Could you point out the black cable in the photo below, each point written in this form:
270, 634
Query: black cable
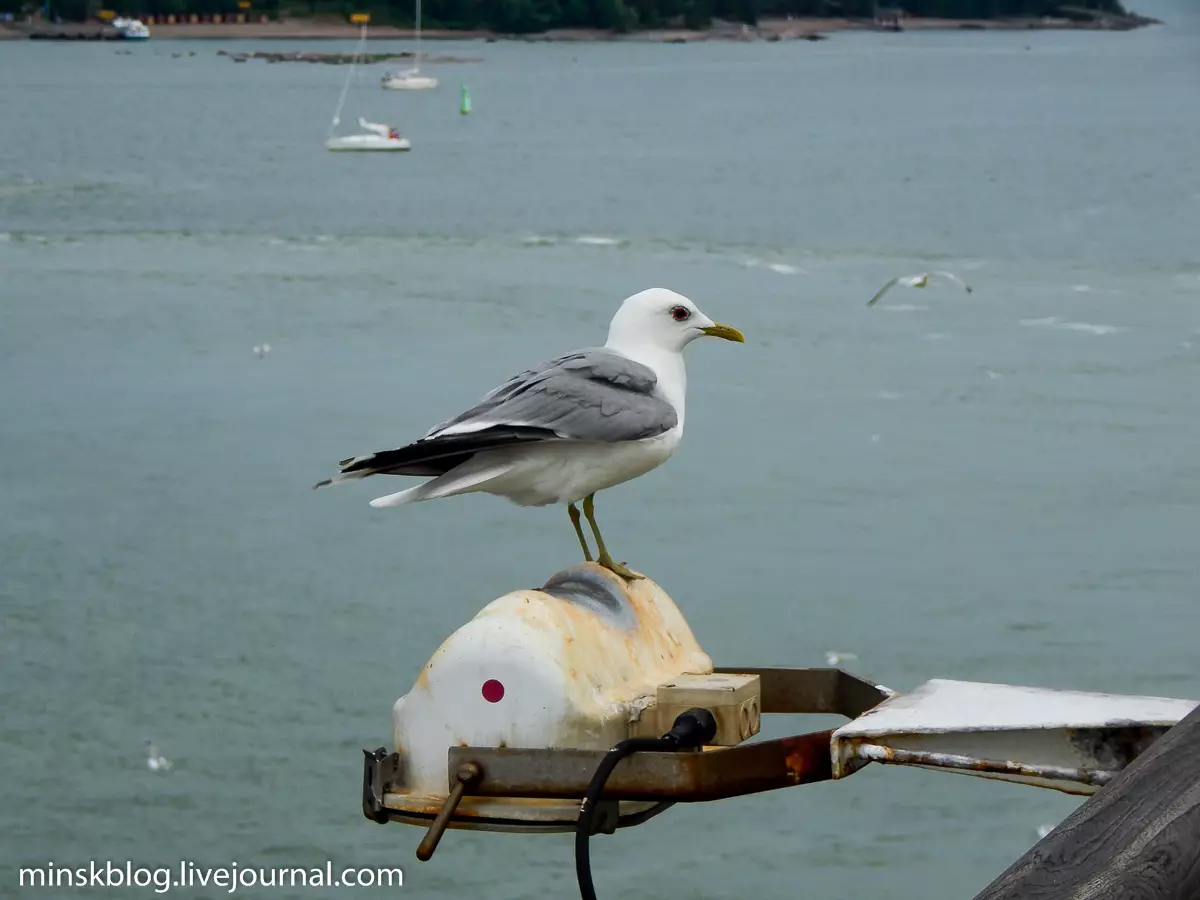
691, 729
587, 809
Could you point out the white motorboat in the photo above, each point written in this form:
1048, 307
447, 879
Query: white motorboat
131, 29
411, 79
374, 137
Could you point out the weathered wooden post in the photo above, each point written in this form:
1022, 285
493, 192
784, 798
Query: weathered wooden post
1139, 837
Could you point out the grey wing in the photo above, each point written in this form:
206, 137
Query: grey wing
955, 279
883, 290
590, 395
491, 400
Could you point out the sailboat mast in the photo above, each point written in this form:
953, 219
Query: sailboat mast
417, 59
359, 48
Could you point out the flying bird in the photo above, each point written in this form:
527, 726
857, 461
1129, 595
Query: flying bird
563, 430
918, 281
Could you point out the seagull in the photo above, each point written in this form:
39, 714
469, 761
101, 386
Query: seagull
918, 281
833, 657
155, 761
261, 350
570, 427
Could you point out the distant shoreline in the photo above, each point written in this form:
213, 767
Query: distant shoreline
773, 29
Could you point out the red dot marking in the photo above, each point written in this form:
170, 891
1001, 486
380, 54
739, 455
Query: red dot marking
493, 691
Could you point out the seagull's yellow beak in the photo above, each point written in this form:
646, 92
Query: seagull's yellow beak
728, 332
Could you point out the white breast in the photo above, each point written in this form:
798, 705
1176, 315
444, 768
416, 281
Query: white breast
568, 472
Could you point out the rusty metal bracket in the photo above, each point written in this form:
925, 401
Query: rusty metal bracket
895, 756
664, 778
380, 769
464, 777
814, 691
690, 777
678, 777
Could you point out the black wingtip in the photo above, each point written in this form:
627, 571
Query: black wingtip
321, 484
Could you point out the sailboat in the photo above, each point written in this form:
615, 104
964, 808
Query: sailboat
374, 136
411, 79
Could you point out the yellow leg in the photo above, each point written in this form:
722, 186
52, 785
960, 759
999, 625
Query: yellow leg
603, 557
573, 512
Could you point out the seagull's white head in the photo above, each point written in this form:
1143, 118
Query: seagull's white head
664, 320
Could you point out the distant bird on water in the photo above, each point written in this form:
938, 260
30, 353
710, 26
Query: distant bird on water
155, 761
918, 281
570, 427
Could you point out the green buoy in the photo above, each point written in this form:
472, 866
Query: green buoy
465, 105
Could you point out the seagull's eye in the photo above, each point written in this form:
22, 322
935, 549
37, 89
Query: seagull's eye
680, 313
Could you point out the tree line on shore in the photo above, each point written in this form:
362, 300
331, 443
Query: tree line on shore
520, 16
531, 16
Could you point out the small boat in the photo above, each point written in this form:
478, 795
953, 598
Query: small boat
408, 80
131, 29
411, 79
374, 137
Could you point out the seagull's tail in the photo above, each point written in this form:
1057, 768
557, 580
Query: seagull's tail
400, 498
456, 481
356, 467
438, 455
345, 476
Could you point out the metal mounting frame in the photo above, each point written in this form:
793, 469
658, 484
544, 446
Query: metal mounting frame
668, 778
715, 774
1066, 740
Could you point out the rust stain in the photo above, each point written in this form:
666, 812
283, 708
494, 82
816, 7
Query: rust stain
796, 761
806, 757
887, 751
424, 809
470, 807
